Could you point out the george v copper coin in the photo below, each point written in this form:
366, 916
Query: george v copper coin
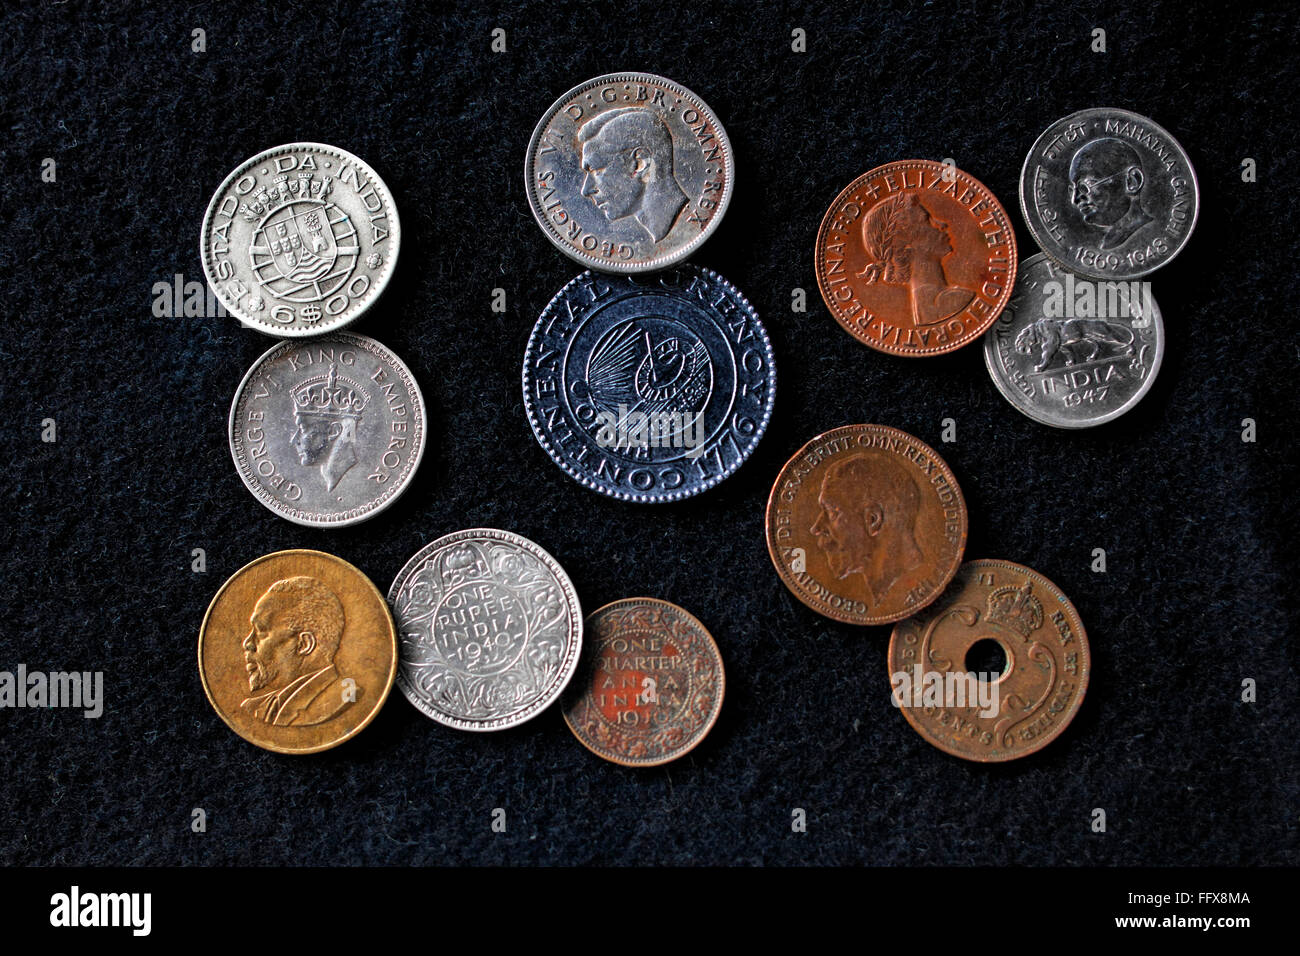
651, 686
916, 258
297, 652
866, 524
1001, 715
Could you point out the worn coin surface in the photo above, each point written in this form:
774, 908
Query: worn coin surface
490, 629
649, 389
866, 524
916, 258
328, 432
300, 240
297, 652
629, 172
1109, 194
1070, 351
651, 686
994, 610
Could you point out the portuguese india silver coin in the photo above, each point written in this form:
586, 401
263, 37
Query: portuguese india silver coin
1073, 352
629, 172
1109, 194
489, 629
300, 240
649, 389
328, 432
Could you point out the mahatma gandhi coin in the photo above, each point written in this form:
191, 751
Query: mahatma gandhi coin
629, 172
651, 685
297, 652
916, 258
490, 629
866, 524
1008, 615
1072, 352
329, 432
649, 389
300, 240
1109, 194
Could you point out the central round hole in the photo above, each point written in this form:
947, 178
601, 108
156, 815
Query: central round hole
986, 656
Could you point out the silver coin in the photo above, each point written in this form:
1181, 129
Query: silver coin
489, 629
629, 172
329, 432
1109, 194
300, 240
1072, 352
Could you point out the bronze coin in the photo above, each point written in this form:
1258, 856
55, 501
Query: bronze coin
650, 687
932, 664
297, 652
916, 258
866, 524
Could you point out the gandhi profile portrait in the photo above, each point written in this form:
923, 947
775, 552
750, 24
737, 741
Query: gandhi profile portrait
627, 159
326, 411
867, 524
296, 629
1106, 181
906, 245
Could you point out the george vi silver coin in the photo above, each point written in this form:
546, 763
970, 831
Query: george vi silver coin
489, 629
328, 432
1109, 194
300, 240
1072, 352
629, 172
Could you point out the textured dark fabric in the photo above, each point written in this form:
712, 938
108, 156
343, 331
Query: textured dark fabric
99, 526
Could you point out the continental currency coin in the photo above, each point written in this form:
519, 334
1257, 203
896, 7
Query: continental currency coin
629, 172
651, 687
866, 524
300, 240
1013, 617
328, 432
1071, 352
1109, 194
649, 389
490, 629
916, 258
297, 652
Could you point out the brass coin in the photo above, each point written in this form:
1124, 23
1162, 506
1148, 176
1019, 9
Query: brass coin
297, 652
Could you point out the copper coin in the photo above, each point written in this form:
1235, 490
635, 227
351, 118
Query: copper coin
866, 524
916, 258
651, 686
297, 652
935, 675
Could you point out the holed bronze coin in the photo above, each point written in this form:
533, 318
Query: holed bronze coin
866, 524
298, 651
650, 687
994, 611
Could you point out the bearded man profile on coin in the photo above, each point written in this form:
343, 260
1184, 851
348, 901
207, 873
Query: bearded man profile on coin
627, 158
1106, 181
297, 627
326, 411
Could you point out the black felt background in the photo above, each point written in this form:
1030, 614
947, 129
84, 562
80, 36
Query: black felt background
99, 527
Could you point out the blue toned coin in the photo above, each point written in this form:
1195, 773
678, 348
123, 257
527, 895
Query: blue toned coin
649, 389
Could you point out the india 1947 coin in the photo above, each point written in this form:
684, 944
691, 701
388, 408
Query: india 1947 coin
629, 172
297, 652
1109, 194
1072, 352
300, 240
866, 524
490, 629
649, 389
996, 668
651, 687
329, 432
915, 258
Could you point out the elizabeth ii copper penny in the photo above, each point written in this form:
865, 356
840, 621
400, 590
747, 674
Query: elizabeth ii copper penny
916, 258
993, 611
866, 524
